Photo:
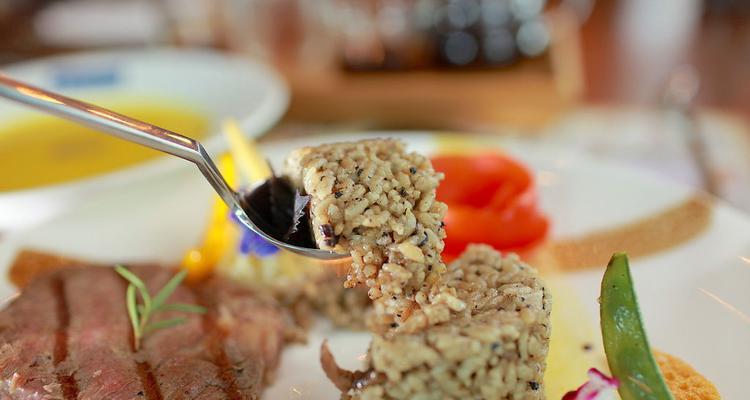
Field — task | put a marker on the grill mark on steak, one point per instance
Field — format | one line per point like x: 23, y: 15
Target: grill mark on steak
x: 150, y: 387
x: 216, y: 344
x: 67, y: 382
x: 226, y: 372
x: 100, y: 355
x: 251, y: 325
x: 179, y: 357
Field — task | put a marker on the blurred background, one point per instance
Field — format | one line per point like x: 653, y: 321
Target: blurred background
x: 661, y: 85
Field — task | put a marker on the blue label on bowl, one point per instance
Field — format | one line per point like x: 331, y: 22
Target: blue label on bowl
x: 69, y: 77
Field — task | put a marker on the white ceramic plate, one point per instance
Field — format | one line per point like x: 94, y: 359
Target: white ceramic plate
x: 678, y: 288
x: 217, y: 85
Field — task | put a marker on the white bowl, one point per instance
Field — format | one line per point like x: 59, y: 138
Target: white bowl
x: 218, y: 85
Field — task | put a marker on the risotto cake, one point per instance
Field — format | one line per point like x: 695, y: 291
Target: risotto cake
x: 477, y: 329
x: 375, y: 201
x: 495, y: 349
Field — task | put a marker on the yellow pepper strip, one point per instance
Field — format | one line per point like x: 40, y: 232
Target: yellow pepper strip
x: 201, y: 260
x: 250, y: 162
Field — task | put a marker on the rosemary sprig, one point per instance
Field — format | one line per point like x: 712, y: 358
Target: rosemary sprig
x: 140, y: 313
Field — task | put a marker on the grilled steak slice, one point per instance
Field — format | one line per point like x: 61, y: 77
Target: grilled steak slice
x: 68, y: 336
x: 28, y: 337
x: 181, y: 364
x: 230, y: 352
x: 100, y: 355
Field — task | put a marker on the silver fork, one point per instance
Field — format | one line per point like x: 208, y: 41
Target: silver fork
x: 151, y: 136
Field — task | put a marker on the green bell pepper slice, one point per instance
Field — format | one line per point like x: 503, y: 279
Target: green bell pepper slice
x: 628, y: 353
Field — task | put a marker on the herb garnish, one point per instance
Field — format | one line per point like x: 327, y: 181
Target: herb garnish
x: 140, y: 314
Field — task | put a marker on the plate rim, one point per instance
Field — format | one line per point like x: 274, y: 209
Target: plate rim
x: 17, y: 238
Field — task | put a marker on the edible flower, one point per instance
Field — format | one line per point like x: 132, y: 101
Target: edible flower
x: 253, y: 244
x: 598, y: 387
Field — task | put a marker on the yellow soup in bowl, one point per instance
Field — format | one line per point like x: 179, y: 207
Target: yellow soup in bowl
x: 39, y: 150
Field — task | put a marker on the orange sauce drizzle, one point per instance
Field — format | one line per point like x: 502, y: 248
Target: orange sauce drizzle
x: 644, y: 237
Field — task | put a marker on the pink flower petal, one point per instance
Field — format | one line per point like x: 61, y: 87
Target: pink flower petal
x: 598, y: 387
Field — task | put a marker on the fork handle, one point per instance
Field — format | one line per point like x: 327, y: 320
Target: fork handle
x: 123, y: 127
